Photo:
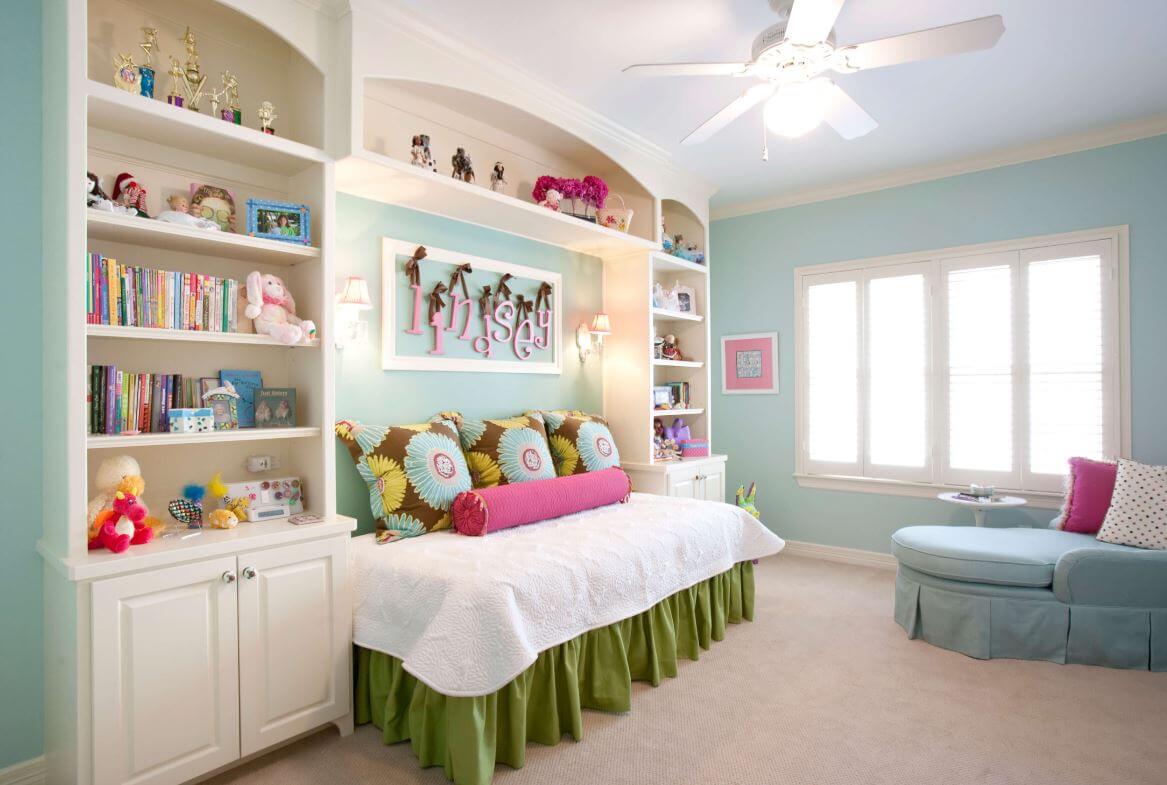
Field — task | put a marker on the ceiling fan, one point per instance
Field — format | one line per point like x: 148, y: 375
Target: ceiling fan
x: 791, y: 57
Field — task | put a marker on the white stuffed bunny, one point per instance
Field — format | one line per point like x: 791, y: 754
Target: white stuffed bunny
x: 271, y: 307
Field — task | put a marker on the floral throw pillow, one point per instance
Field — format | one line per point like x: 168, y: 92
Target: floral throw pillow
x: 413, y: 473
x: 580, y: 442
x: 504, y: 451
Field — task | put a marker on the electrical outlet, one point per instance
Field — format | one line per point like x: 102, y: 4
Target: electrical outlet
x: 261, y: 463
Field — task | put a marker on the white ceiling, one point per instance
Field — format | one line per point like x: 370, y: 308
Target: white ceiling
x: 1062, y: 67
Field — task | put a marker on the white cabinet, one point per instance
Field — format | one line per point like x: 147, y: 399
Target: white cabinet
x: 166, y: 677
x: 197, y: 665
x: 692, y: 478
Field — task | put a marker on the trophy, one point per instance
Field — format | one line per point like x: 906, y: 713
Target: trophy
x: 231, y: 90
x: 145, y: 71
x: 267, y: 113
x: 193, y: 78
x: 125, y: 75
x: 174, y: 98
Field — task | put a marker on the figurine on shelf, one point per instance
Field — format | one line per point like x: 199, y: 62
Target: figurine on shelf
x: 125, y: 75
x: 128, y: 193
x: 174, y: 97
x: 96, y: 198
x: 146, y: 70
x: 462, y: 168
x: 669, y: 349
x: 179, y: 213
x: 664, y: 447
x: 267, y: 115
x: 497, y: 177
x: 232, y: 113
x: 420, y: 154
x: 688, y: 252
x: 193, y: 77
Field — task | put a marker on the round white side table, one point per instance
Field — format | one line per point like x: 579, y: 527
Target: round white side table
x: 981, y: 508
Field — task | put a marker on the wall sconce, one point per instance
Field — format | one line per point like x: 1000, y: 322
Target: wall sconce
x: 353, y: 299
x: 592, y: 339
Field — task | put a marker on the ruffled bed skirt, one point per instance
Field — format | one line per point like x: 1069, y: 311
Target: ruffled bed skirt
x: 468, y: 736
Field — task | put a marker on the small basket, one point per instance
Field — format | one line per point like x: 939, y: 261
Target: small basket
x: 618, y: 218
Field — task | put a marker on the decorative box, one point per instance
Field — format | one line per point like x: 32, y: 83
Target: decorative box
x: 191, y: 420
x: 694, y: 448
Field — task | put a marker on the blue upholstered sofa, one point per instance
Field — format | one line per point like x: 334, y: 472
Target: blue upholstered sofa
x: 1033, y: 594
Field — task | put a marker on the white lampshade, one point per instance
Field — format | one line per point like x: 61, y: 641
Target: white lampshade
x: 355, y: 293
x: 798, y: 108
x: 601, y: 325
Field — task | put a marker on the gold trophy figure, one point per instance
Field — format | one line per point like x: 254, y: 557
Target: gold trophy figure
x: 267, y: 115
x: 193, y: 77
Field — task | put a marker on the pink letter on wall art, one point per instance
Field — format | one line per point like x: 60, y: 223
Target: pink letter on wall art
x: 416, y: 328
x: 749, y: 364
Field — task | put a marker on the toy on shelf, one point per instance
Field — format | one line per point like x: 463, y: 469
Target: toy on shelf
x: 746, y: 500
x: 669, y: 349
x: 271, y: 307
x: 96, y: 198
x: 420, y: 154
x: 123, y: 525
x: 463, y: 169
x: 664, y: 447
x: 116, y: 474
x: 179, y: 213
x: 261, y: 500
x: 127, y: 192
x: 189, y: 509
x: 687, y: 251
x: 498, y: 176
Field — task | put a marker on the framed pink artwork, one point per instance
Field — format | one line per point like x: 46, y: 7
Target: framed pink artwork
x: 749, y: 364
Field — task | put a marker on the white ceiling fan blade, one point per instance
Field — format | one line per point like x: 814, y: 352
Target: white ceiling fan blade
x: 686, y: 69
x: 750, y: 98
x: 811, y: 20
x: 969, y: 36
x: 846, y: 116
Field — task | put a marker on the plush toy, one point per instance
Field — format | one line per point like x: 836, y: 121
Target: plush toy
x: 129, y: 193
x: 179, y: 213
x: 189, y: 509
x: 746, y: 500
x: 116, y: 474
x: 271, y: 307
x: 222, y: 519
x: 123, y: 525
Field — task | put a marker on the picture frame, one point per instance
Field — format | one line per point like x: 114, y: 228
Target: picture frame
x: 686, y: 298
x: 749, y: 364
x: 284, y: 221
x: 214, y: 203
x: 662, y: 397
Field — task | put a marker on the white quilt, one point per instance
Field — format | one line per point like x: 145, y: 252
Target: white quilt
x: 466, y: 615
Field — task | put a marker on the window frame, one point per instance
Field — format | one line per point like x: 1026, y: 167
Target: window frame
x: 1041, y: 490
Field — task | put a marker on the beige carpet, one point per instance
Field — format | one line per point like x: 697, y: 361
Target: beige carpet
x: 822, y: 688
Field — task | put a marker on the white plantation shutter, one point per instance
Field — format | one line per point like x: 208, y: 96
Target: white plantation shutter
x: 1069, y: 352
x: 898, y: 369
x: 832, y: 357
x: 979, y: 341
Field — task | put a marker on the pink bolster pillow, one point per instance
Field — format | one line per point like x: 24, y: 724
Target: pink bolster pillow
x: 486, y: 510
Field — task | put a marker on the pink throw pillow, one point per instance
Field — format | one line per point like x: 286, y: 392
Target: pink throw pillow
x: 485, y: 510
x: 1089, y: 488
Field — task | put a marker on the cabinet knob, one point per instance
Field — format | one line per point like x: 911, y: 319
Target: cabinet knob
x: 249, y: 572
x: 228, y: 577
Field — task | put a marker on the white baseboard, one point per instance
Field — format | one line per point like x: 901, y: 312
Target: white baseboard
x: 31, y: 772
x: 835, y: 553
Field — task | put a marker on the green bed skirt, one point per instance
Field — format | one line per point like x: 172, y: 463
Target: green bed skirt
x: 468, y: 736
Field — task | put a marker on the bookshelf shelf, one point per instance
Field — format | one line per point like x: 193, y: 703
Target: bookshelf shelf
x: 677, y: 412
x: 171, y: 237
x: 664, y: 262
x: 149, y: 119
x: 678, y: 364
x: 102, y: 441
x: 192, y: 336
x: 664, y: 315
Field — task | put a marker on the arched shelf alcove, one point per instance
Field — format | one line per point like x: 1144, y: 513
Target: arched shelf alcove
x: 678, y: 218
x: 394, y: 110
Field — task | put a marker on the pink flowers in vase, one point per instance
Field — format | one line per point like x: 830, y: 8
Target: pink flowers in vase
x: 549, y: 191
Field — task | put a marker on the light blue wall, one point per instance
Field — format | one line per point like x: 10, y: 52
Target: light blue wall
x: 753, y: 257
x: 20, y: 403
x: 365, y: 392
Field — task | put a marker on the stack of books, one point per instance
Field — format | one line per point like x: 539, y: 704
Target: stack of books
x: 124, y: 402
x: 120, y: 295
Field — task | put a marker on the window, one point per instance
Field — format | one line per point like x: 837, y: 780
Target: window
x: 992, y: 364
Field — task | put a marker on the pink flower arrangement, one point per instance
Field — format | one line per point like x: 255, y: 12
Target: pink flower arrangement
x: 544, y: 184
x: 592, y: 191
x: 595, y: 191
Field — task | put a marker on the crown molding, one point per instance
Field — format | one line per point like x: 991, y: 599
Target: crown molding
x: 1050, y: 148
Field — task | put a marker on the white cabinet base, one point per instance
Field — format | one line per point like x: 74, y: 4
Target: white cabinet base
x: 691, y: 478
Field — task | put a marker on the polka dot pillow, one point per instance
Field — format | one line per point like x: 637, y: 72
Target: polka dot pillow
x: 1138, y: 507
x: 504, y: 451
x: 413, y: 473
x: 580, y: 442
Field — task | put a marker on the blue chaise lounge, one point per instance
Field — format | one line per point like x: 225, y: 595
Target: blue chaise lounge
x: 1033, y: 594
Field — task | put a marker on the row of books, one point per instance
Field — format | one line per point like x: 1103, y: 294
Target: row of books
x: 125, y: 402
x: 679, y: 394
x: 120, y: 295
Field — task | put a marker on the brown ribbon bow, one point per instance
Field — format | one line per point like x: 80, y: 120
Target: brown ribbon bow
x: 523, y: 306
x: 436, y: 301
x: 484, y: 301
x: 412, y: 269
x: 502, y: 291
x: 543, y: 296
x: 459, y: 275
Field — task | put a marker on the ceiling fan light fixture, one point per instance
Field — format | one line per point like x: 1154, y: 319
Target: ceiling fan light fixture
x: 797, y: 109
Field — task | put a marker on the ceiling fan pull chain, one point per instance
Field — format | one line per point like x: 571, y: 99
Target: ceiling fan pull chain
x: 765, y: 147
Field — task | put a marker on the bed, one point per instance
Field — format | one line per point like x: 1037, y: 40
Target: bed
x: 470, y: 647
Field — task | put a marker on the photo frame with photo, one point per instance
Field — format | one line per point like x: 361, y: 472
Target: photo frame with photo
x: 662, y: 397
x: 749, y: 364
x: 283, y: 221
x: 686, y: 298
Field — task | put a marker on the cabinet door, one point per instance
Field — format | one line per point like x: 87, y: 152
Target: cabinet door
x: 713, y: 481
x: 165, y: 678
x: 684, y: 484
x: 294, y: 640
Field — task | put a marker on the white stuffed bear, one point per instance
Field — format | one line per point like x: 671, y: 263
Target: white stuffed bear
x: 271, y: 307
x: 112, y: 473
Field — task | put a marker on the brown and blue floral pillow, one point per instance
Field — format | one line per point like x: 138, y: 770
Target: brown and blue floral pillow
x: 579, y: 442
x: 510, y: 450
x: 413, y: 473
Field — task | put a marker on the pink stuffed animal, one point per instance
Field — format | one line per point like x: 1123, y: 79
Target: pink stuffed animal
x: 271, y: 307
